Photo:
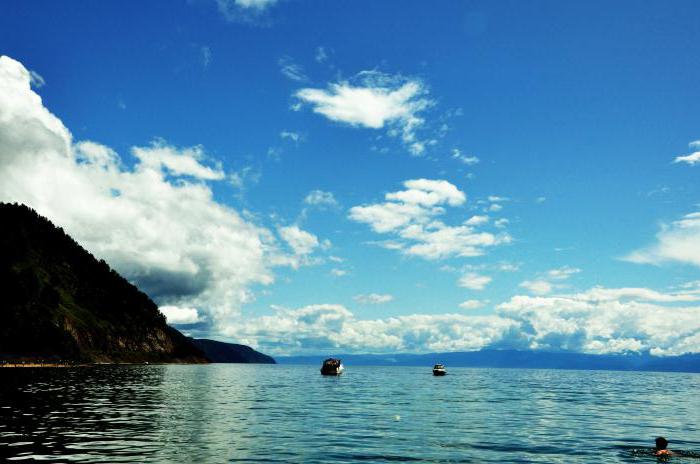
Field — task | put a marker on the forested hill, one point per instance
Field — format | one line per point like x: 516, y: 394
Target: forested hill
x: 60, y: 302
x: 221, y: 352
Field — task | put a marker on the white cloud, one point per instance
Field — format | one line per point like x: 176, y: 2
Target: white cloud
x: 302, y: 242
x: 495, y: 207
x: 474, y: 281
x: 427, y: 192
x: 476, y: 221
x: 693, y: 158
x: 177, y: 162
x: 178, y: 315
x: 293, y: 136
x: 373, y: 298
x: 335, y: 272
x: 623, y: 320
x: 376, y: 101
x: 331, y: 327
x: 410, y: 214
x: 538, y: 287
x: 157, y: 223
x: 472, y: 304
x: 640, y: 320
x: 562, y: 273
x: 255, y: 4
x: 675, y: 242
x: 548, y: 281
x: 320, y: 198
x: 292, y: 70
x: 244, y: 10
x: 501, y: 223
x: 468, y: 160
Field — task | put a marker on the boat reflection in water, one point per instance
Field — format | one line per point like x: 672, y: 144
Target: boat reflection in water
x: 332, y: 366
x: 439, y: 369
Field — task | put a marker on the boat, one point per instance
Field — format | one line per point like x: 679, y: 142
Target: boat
x: 439, y: 369
x: 332, y: 366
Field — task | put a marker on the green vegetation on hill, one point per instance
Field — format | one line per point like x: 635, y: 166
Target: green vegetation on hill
x: 60, y: 302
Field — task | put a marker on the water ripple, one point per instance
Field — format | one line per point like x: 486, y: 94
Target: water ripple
x: 246, y: 413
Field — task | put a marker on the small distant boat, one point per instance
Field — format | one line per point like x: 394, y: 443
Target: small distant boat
x: 332, y: 366
x: 439, y: 369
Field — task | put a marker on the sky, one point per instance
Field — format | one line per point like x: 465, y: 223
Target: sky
x: 372, y: 177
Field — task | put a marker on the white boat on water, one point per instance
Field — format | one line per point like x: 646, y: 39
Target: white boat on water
x: 332, y: 366
x: 439, y: 369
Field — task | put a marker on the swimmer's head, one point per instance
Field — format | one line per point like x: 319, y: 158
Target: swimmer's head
x: 661, y: 443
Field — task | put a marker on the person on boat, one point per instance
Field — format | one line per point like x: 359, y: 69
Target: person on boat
x: 662, y: 447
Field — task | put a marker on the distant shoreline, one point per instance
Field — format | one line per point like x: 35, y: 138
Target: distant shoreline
x: 35, y: 364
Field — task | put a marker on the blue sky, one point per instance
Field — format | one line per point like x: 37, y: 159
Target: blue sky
x: 561, y: 124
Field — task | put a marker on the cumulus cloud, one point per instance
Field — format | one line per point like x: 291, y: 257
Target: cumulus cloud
x: 332, y: 327
x: 692, y: 158
x: 678, y: 242
x: 474, y: 281
x: 178, y: 315
x: 178, y: 162
x: 301, y: 242
x: 373, y: 298
x: 476, y: 221
x: 375, y: 100
x: 606, y: 321
x: 600, y: 320
x: 410, y: 215
x: 157, y: 223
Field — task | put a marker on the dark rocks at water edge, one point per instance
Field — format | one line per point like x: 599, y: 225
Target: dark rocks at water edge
x: 518, y: 359
x: 220, y: 352
x: 60, y: 303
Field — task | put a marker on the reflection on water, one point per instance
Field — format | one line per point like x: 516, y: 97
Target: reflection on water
x: 228, y: 413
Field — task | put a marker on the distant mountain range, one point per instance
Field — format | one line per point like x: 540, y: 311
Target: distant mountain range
x: 59, y: 303
x: 517, y: 359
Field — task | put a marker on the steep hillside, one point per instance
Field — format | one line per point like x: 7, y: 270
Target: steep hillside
x: 60, y: 302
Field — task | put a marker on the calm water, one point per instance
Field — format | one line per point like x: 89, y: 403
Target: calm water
x: 228, y: 413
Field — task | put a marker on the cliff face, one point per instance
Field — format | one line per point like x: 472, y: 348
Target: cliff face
x: 61, y: 302
x: 221, y: 352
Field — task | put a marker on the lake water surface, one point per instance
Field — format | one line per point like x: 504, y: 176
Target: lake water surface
x: 274, y: 413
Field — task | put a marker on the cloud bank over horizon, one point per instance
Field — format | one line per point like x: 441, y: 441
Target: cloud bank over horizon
x: 597, y: 321
x: 158, y: 222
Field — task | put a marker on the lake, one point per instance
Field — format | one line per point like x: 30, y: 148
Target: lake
x: 274, y: 413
